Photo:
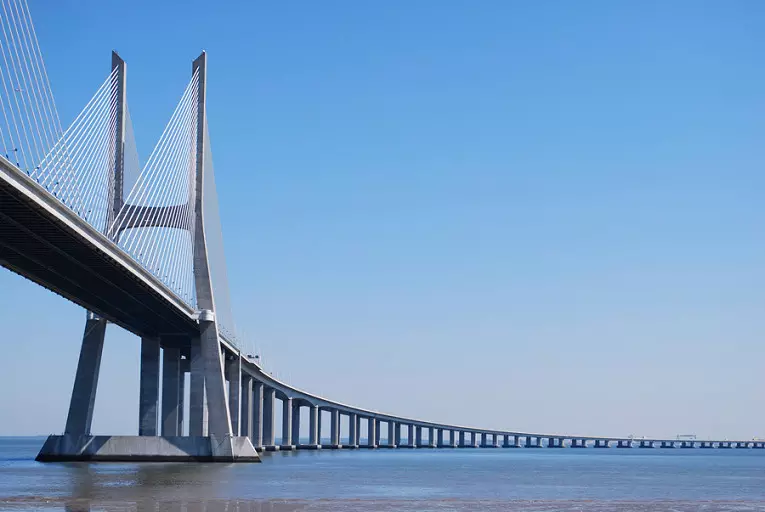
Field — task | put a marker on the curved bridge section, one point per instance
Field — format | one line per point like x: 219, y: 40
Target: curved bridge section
x: 260, y: 390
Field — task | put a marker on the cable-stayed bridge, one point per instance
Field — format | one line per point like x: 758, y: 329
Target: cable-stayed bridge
x: 141, y: 246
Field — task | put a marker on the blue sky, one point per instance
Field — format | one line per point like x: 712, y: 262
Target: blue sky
x: 524, y: 215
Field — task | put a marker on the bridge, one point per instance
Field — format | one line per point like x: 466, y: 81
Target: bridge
x: 141, y: 247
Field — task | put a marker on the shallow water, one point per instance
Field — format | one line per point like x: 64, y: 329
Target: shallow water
x: 400, y: 480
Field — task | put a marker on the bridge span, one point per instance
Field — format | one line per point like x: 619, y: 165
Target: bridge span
x: 142, y: 255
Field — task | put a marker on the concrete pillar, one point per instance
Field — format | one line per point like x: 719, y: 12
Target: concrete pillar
x: 171, y: 376
x: 313, y: 425
x: 218, y: 417
x: 462, y: 439
x: 392, y: 434
x: 80, y: 417
x: 295, y: 422
x: 440, y: 438
x: 371, y: 433
x: 269, y: 399
x: 287, y: 424
x: 431, y: 437
x: 474, y: 439
x: 397, y: 434
x: 257, y: 414
x: 197, y: 397
x: 453, y: 438
x: 377, y: 432
x: 234, y: 376
x: 353, y: 430
x: 318, y: 427
x: 410, y: 437
x: 246, y: 426
x: 335, y: 428
x: 182, y: 420
x: 418, y: 436
x: 148, y: 400
x: 484, y: 440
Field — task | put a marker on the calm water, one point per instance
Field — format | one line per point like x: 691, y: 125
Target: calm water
x: 397, y: 480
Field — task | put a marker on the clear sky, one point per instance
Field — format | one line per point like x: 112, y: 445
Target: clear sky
x: 524, y: 215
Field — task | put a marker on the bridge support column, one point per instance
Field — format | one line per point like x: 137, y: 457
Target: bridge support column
x: 353, y: 430
x: 624, y: 443
x: 431, y: 437
x: 234, y: 376
x: 392, y: 434
x: 377, y: 432
x: 418, y: 436
x: 171, y: 388
x: 269, y: 399
x: 313, y: 427
x: 397, y: 434
x: 335, y: 429
x: 257, y: 414
x: 646, y: 444
x: 474, y: 440
x: 287, y: 425
x: 462, y: 439
x: 148, y: 400
x: 246, y: 414
x: 197, y: 394
x: 484, y: 440
x: 371, y: 433
x: 410, y: 437
x: 440, y: 438
x: 295, y: 423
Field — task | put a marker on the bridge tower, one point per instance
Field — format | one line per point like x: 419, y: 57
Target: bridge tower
x: 210, y: 432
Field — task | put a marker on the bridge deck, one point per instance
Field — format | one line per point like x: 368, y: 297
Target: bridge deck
x: 44, y: 241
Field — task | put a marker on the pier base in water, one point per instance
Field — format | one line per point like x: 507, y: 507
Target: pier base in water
x: 68, y: 448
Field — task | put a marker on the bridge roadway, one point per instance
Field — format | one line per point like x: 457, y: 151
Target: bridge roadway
x: 46, y: 242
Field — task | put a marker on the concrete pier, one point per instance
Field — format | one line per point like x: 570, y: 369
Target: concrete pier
x: 171, y: 399
x: 313, y: 427
x: 148, y: 394
x: 418, y: 436
x: 287, y: 412
x: 431, y: 437
x: 667, y: 444
x: 578, y: 443
x: 80, y: 417
x: 144, y: 449
x: 295, y: 437
x: 646, y: 444
x: 257, y: 414
x: 453, y: 442
x: 334, y: 429
x: 269, y: 399
x: 246, y: 426
x: 440, y: 438
x: 624, y: 443
x: 371, y: 433
x: 555, y: 442
x: 602, y: 443
x: 353, y: 431
x: 394, y: 433
x: 533, y: 442
x: 688, y: 444
x: 197, y: 397
x: 410, y: 442
x: 234, y: 377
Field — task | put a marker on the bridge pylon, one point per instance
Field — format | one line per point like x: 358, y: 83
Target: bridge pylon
x: 162, y: 420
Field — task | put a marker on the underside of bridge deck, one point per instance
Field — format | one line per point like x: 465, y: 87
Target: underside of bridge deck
x: 46, y: 250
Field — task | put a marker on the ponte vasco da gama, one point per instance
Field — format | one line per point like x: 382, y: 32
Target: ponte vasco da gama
x: 141, y: 247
